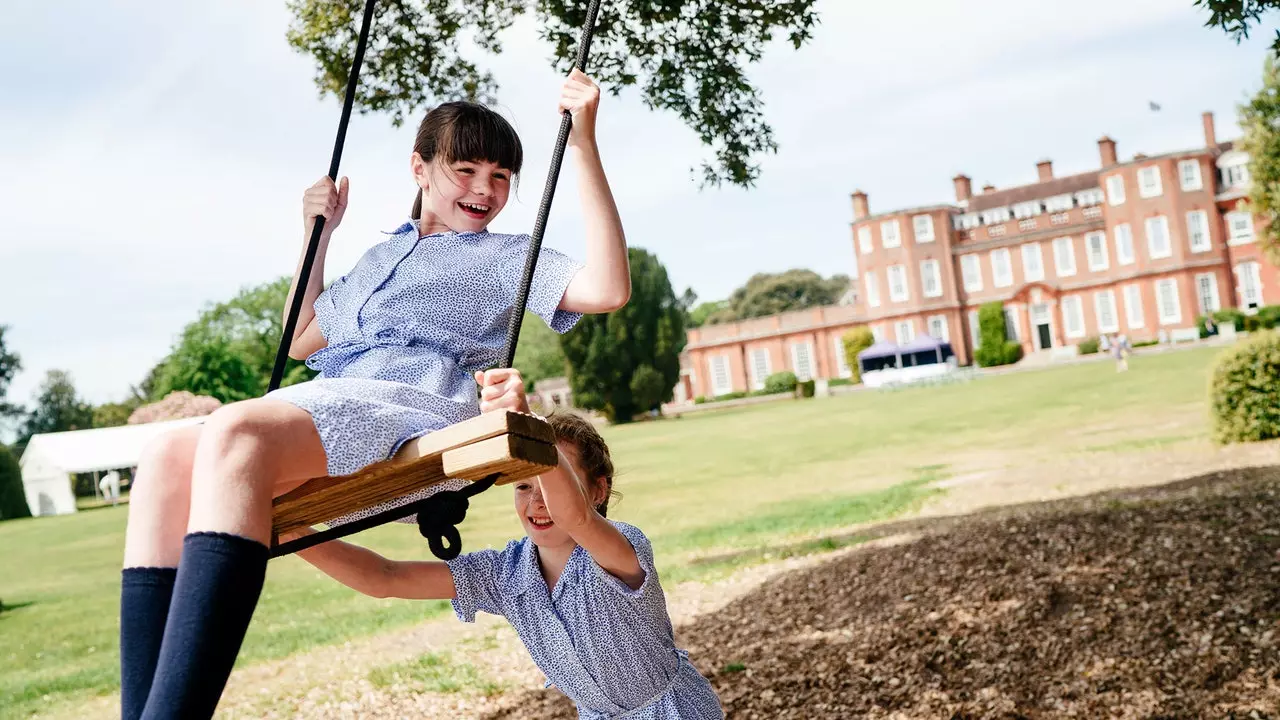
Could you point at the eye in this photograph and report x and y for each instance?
(522, 487)
(500, 175)
(465, 170)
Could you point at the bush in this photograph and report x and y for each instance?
(1229, 315)
(1252, 323)
(1088, 346)
(13, 501)
(855, 341)
(836, 382)
(994, 347)
(1269, 316)
(1244, 390)
(780, 382)
(699, 400)
(807, 388)
(1146, 343)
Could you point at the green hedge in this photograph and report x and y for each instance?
(807, 388)
(1088, 346)
(1230, 315)
(994, 347)
(13, 500)
(1244, 390)
(780, 382)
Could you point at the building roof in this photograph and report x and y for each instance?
(920, 210)
(79, 451)
(1012, 196)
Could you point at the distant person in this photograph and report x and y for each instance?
(1120, 351)
(110, 487)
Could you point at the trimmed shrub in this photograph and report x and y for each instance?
(994, 346)
(1252, 323)
(1146, 343)
(1088, 346)
(855, 341)
(1230, 315)
(780, 382)
(1269, 316)
(836, 382)
(1244, 390)
(13, 500)
(807, 388)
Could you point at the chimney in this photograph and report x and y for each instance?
(1210, 137)
(964, 187)
(1045, 169)
(860, 207)
(988, 188)
(1107, 151)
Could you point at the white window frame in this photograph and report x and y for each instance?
(758, 374)
(1106, 300)
(1073, 309)
(1235, 175)
(1149, 182)
(1124, 245)
(1090, 197)
(1192, 181)
(995, 216)
(1102, 260)
(806, 373)
(716, 388)
(1249, 278)
(877, 332)
(1001, 279)
(922, 231)
(975, 336)
(910, 333)
(1169, 315)
(1161, 222)
(1012, 330)
(941, 321)
(872, 285)
(1059, 203)
(1032, 262)
(967, 221)
(1133, 314)
(1028, 209)
(1198, 242)
(1115, 190)
(971, 269)
(901, 272)
(1214, 303)
(1067, 268)
(889, 235)
(842, 362)
(930, 271)
(1240, 228)
(865, 244)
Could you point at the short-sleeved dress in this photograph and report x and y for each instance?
(607, 647)
(406, 329)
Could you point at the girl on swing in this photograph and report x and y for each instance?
(396, 341)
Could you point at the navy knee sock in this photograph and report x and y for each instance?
(219, 580)
(144, 605)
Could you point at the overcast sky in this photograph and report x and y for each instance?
(154, 154)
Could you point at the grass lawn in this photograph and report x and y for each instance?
(702, 485)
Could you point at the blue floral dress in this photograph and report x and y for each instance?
(607, 647)
(407, 328)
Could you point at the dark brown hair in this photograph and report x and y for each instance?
(466, 131)
(593, 453)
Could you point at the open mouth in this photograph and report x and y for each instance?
(475, 211)
(541, 523)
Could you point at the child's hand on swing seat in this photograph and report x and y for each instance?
(502, 389)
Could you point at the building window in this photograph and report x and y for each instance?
(1073, 316)
(1241, 227)
(1158, 237)
(974, 335)
(889, 234)
(922, 225)
(1001, 268)
(938, 328)
(873, 289)
(1096, 244)
(1133, 306)
(802, 357)
(1024, 210)
(1059, 203)
(1149, 184)
(1064, 257)
(972, 271)
(1011, 325)
(1104, 304)
(1207, 293)
(905, 331)
(1167, 304)
(1189, 175)
(1124, 244)
(967, 221)
(1115, 190)
(897, 283)
(864, 240)
(1235, 176)
(720, 383)
(759, 368)
(877, 332)
(1093, 196)
(930, 278)
(1198, 231)
(1032, 262)
(995, 216)
(1249, 284)
(842, 361)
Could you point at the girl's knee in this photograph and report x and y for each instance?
(164, 469)
(239, 433)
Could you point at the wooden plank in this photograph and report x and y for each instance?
(515, 457)
(378, 483)
(481, 427)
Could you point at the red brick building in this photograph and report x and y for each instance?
(1142, 247)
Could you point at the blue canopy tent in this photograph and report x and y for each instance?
(925, 350)
(879, 356)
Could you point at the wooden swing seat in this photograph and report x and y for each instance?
(512, 445)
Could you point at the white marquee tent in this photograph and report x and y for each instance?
(50, 458)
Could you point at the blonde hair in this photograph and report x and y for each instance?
(593, 452)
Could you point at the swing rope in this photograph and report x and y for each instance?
(438, 514)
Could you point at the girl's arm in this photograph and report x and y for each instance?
(574, 512)
(604, 282)
(323, 199)
(368, 572)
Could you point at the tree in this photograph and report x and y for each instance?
(687, 58)
(770, 293)
(855, 341)
(615, 358)
(1260, 120)
(58, 408)
(1235, 16)
(706, 312)
(112, 414)
(538, 354)
(13, 499)
(229, 351)
(10, 364)
(994, 347)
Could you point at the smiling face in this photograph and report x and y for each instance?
(532, 510)
(463, 196)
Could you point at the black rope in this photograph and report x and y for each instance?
(441, 513)
(544, 210)
(304, 273)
